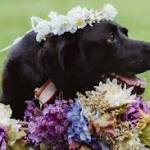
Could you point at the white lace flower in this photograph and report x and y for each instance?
(115, 94)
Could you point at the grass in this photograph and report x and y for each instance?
(15, 14)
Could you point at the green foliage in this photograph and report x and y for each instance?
(15, 18)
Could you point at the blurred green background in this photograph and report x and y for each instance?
(15, 19)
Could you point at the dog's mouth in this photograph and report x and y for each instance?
(131, 80)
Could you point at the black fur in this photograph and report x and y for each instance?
(74, 62)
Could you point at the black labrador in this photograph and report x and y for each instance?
(74, 62)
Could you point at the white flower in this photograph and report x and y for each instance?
(12, 126)
(115, 94)
(78, 16)
(41, 27)
(109, 12)
(52, 15)
(92, 17)
(59, 24)
(5, 111)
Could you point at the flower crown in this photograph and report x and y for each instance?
(76, 18)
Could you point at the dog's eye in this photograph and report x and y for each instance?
(111, 38)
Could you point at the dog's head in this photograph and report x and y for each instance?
(94, 53)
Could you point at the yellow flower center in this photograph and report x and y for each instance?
(80, 21)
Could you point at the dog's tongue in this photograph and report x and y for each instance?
(132, 80)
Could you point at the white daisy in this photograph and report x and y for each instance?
(78, 16)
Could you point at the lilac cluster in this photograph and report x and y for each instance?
(31, 111)
(133, 111)
(2, 138)
(78, 131)
(50, 128)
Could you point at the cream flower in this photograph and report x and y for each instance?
(134, 142)
(5, 111)
(105, 96)
(5, 114)
(115, 94)
(14, 131)
(12, 126)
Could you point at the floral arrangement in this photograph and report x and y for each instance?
(107, 118)
(76, 18)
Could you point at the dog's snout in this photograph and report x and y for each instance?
(147, 49)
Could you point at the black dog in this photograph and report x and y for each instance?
(74, 62)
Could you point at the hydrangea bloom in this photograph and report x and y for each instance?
(133, 112)
(31, 111)
(78, 130)
(50, 127)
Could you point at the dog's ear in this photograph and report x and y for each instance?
(68, 53)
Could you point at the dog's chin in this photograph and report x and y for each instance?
(130, 80)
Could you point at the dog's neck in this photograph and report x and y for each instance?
(46, 93)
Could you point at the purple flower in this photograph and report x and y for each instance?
(31, 111)
(78, 131)
(133, 112)
(2, 138)
(50, 127)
